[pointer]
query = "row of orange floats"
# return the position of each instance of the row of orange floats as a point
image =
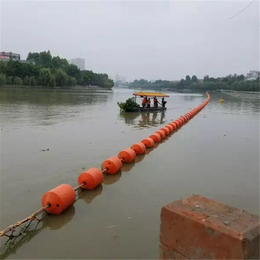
(60, 198)
(63, 196)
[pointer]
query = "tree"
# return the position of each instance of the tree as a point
(18, 81)
(61, 78)
(45, 77)
(53, 81)
(33, 81)
(187, 80)
(9, 80)
(2, 79)
(241, 77)
(72, 82)
(181, 83)
(26, 81)
(194, 79)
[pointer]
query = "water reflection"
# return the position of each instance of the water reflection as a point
(111, 179)
(144, 119)
(47, 107)
(89, 195)
(29, 231)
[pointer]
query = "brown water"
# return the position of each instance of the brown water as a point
(216, 155)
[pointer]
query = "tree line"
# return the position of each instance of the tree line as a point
(230, 82)
(46, 70)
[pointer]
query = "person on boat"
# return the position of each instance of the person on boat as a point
(144, 101)
(155, 102)
(148, 103)
(163, 102)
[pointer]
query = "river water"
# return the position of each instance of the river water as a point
(216, 155)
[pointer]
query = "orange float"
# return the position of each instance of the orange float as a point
(161, 133)
(148, 142)
(127, 155)
(139, 148)
(180, 121)
(112, 165)
(169, 126)
(165, 130)
(156, 137)
(58, 199)
(92, 178)
(174, 126)
(177, 123)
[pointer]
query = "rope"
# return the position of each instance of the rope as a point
(19, 223)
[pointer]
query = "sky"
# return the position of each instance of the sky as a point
(138, 39)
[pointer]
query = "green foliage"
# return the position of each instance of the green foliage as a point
(71, 82)
(232, 82)
(61, 78)
(49, 71)
(26, 81)
(9, 80)
(17, 81)
(33, 81)
(128, 106)
(45, 77)
(2, 79)
(194, 79)
(52, 82)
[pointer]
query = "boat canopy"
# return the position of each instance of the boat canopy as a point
(150, 94)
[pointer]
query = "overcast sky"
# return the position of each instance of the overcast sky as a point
(149, 39)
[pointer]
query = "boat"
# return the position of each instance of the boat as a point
(160, 107)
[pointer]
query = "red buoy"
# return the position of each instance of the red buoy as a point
(156, 137)
(139, 148)
(165, 130)
(177, 123)
(180, 121)
(112, 165)
(58, 199)
(148, 142)
(127, 155)
(169, 126)
(174, 126)
(161, 133)
(92, 178)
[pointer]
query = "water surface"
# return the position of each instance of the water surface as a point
(215, 155)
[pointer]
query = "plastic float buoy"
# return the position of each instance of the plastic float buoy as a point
(180, 121)
(92, 178)
(139, 148)
(165, 130)
(58, 199)
(169, 127)
(127, 155)
(176, 123)
(174, 126)
(112, 165)
(148, 142)
(156, 137)
(161, 133)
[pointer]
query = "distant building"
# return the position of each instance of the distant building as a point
(252, 75)
(80, 63)
(6, 56)
(9, 55)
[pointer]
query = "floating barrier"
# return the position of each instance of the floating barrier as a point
(161, 133)
(63, 196)
(156, 137)
(148, 142)
(139, 148)
(127, 155)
